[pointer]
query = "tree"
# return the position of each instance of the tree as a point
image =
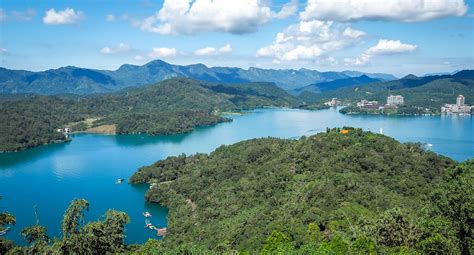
(277, 243)
(394, 230)
(454, 198)
(36, 237)
(6, 219)
(74, 217)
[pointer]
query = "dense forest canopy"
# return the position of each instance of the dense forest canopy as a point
(172, 106)
(358, 192)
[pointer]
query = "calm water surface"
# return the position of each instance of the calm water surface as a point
(49, 177)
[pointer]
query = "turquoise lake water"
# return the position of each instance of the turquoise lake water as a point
(49, 177)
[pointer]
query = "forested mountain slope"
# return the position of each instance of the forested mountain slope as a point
(172, 106)
(357, 192)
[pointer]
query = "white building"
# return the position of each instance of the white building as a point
(460, 100)
(395, 100)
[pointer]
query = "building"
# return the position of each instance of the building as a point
(333, 102)
(365, 104)
(459, 108)
(460, 100)
(395, 100)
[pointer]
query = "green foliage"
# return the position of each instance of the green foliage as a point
(37, 237)
(73, 218)
(6, 219)
(312, 189)
(277, 243)
(436, 244)
(393, 230)
(171, 106)
(454, 198)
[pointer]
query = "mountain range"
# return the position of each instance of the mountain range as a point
(337, 84)
(77, 80)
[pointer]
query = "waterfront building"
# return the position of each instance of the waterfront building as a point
(395, 100)
(460, 100)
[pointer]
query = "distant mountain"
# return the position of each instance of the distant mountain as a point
(337, 84)
(77, 80)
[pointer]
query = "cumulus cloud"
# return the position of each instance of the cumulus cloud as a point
(211, 51)
(26, 15)
(139, 57)
(309, 40)
(399, 10)
(287, 10)
(383, 47)
(193, 16)
(66, 16)
(110, 17)
(121, 47)
(162, 53)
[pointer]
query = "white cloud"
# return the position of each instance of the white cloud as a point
(399, 10)
(139, 57)
(211, 51)
(309, 40)
(3, 50)
(388, 47)
(121, 47)
(110, 17)
(383, 47)
(194, 16)
(26, 15)
(226, 48)
(206, 51)
(66, 16)
(287, 10)
(162, 53)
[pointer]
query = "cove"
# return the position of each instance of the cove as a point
(49, 177)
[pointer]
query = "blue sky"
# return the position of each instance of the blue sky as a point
(394, 36)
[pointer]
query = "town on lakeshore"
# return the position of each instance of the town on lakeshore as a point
(459, 108)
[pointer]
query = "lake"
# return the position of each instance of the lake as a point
(49, 177)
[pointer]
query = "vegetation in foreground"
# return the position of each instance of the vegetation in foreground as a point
(332, 193)
(172, 106)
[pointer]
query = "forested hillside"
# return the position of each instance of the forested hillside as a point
(349, 192)
(332, 193)
(172, 106)
(337, 84)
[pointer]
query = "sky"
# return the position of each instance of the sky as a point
(392, 36)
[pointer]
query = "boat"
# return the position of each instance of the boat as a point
(148, 224)
(3, 232)
(119, 181)
(147, 214)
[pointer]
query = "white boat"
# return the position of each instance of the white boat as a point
(147, 214)
(119, 181)
(3, 232)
